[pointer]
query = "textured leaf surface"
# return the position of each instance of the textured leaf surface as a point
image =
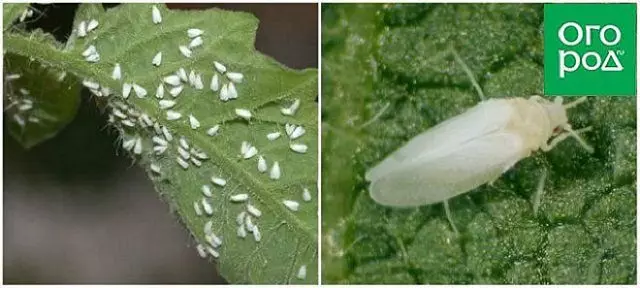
(53, 98)
(387, 63)
(11, 12)
(126, 35)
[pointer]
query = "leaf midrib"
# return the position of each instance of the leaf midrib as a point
(48, 54)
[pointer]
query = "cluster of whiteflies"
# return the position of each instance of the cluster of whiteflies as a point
(144, 134)
(21, 104)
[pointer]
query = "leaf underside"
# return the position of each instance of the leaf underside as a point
(53, 103)
(127, 35)
(41, 101)
(389, 63)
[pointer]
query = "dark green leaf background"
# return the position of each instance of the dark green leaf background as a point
(394, 56)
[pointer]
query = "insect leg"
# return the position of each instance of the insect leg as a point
(569, 133)
(535, 201)
(447, 211)
(548, 146)
(582, 130)
(575, 135)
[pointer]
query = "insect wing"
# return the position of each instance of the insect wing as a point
(486, 118)
(431, 179)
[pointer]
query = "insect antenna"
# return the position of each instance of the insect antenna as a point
(574, 103)
(375, 117)
(467, 71)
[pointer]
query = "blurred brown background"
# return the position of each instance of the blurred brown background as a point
(77, 211)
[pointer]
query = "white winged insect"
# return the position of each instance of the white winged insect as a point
(469, 150)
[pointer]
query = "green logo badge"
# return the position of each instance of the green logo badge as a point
(590, 49)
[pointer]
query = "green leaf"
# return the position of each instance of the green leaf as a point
(387, 78)
(126, 35)
(345, 89)
(11, 12)
(42, 101)
(85, 12)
